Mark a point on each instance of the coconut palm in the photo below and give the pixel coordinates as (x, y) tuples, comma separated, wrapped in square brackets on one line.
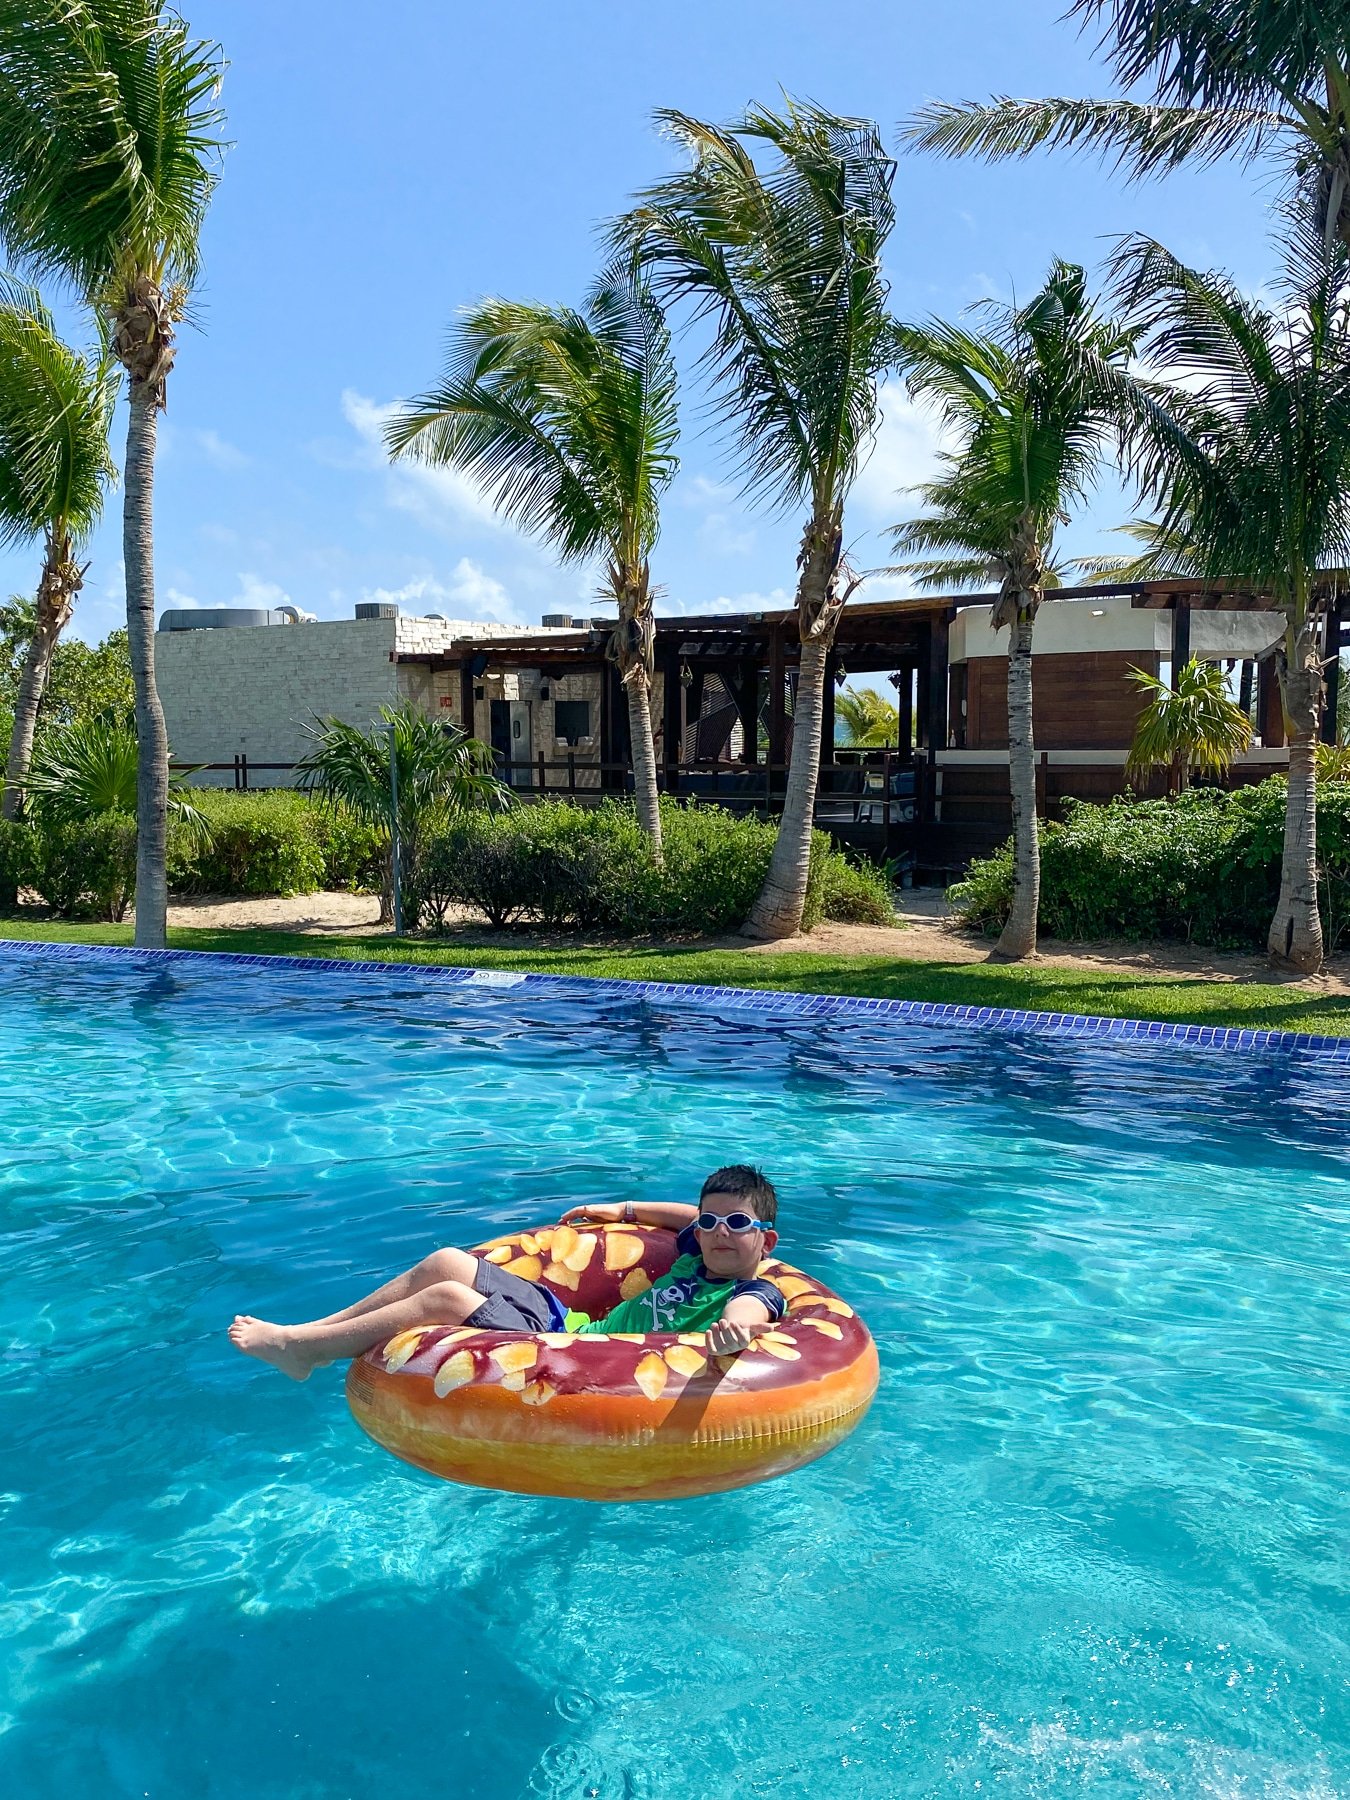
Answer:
[(107, 164), (441, 773), (1256, 473), (784, 265), (1228, 78), (867, 717), (568, 421), (55, 409), (1032, 402), (1195, 724)]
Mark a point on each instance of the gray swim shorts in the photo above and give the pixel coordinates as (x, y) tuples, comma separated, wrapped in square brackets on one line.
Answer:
[(510, 1303)]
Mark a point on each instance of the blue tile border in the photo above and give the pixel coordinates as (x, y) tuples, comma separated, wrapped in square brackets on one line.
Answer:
[(924, 1012)]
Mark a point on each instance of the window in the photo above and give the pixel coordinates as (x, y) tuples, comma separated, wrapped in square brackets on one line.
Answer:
[(572, 720)]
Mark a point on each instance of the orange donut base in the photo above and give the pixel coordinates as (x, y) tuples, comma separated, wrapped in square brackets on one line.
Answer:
[(616, 1417)]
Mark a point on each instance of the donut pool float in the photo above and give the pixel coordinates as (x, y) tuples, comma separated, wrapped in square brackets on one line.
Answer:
[(617, 1417)]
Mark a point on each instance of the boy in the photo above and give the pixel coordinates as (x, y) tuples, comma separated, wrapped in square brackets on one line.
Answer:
[(712, 1286)]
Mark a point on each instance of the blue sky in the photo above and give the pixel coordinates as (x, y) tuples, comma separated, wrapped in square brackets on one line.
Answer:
[(392, 163)]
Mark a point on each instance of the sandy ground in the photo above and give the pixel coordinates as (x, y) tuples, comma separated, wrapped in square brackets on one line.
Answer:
[(928, 934)]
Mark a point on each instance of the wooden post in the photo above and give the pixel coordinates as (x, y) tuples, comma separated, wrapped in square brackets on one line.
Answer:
[(934, 674), (672, 722), (777, 710), (1181, 636), (748, 702), (1245, 685), (1042, 777), (1269, 707), (466, 708), (1332, 651), (904, 707), (827, 714)]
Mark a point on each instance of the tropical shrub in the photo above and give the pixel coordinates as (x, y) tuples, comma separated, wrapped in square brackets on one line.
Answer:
[(1203, 866), (563, 866), (13, 862), (81, 866), (260, 843)]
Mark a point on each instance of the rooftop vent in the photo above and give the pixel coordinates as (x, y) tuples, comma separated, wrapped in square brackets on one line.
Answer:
[(565, 621), (219, 618), (376, 609)]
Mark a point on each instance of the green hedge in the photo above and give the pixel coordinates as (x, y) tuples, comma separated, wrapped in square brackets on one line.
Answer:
[(82, 868), (274, 841), (1203, 867), (564, 866)]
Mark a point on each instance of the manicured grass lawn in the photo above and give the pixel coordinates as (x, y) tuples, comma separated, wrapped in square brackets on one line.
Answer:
[(1188, 1000)]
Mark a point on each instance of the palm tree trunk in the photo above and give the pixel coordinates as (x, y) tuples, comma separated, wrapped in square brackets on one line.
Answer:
[(1296, 930), (777, 912), (1018, 938), (645, 790), (152, 778), (60, 583), (634, 649)]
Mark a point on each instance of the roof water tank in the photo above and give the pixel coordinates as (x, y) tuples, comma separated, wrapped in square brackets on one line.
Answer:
[(218, 618), (557, 619), (376, 609)]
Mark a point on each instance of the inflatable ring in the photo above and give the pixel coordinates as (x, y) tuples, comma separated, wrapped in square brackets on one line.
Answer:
[(616, 1417)]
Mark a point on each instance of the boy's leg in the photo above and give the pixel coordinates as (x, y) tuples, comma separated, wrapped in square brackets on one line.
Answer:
[(297, 1350), (440, 1266)]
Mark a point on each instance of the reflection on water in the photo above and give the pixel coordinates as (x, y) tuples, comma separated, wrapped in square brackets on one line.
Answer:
[(1092, 1538)]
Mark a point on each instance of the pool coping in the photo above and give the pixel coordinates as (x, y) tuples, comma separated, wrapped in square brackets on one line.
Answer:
[(926, 1012)]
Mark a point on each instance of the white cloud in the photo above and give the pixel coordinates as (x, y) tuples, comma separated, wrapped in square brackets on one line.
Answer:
[(701, 490), (720, 534), (218, 452), (908, 443), (774, 601), (470, 593), (443, 499), (255, 592), (184, 602)]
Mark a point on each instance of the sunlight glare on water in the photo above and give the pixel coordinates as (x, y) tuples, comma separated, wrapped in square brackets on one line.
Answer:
[(1093, 1538)]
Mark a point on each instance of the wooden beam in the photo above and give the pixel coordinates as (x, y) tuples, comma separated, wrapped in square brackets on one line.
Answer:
[(934, 698), (1181, 636), (1269, 706), (777, 709), (827, 708), (672, 722), (1332, 651)]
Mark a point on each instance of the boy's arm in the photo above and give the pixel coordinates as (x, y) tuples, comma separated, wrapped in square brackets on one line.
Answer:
[(668, 1214), (743, 1318)]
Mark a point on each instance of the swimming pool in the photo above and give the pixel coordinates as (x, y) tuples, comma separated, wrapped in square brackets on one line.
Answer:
[(1093, 1537)]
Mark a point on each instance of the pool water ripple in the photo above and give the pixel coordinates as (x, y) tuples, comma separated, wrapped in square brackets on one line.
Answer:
[(1093, 1538)]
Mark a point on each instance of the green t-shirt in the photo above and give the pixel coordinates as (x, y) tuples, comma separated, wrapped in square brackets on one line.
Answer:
[(684, 1299)]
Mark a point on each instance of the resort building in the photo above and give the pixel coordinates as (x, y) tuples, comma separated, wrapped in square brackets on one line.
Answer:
[(241, 688)]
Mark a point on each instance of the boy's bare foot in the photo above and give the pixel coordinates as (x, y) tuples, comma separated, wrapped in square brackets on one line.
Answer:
[(271, 1344)]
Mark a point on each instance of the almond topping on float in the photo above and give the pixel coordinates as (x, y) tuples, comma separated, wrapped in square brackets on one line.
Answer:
[(529, 1242), (529, 1268), (835, 1306), (775, 1343), (789, 1286), (453, 1373), (499, 1253), (651, 1374), (564, 1241), (562, 1276), (511, 1358), (826, 1327), (635, 1282), (628, 1337), (558, 1340), (579, 1256), (622, 1250), (402, 1348), (538, 1393), (685, 1360)]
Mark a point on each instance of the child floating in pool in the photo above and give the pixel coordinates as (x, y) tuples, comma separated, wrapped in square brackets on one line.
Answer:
[(712, 1287)]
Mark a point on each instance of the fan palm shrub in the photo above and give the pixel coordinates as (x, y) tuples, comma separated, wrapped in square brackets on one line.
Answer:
[(867, 717), (1032, 401), (783, 265), (108, 160), (441, 773), (568, 421), (55, 410), (1195, 725), (1256, 79), (91, 766)]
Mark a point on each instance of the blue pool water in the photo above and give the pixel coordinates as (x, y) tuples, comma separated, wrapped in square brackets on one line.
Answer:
[(1093, 1539)]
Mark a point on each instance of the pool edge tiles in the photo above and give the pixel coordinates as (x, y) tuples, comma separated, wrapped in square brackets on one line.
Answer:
[(780, 1001)]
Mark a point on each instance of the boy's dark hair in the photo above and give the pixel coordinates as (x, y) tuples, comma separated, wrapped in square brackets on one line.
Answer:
[(741, 1182)]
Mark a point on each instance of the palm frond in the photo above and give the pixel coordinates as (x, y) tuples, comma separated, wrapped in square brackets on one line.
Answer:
[(108, 141), (1194, 725), (1137, 139)]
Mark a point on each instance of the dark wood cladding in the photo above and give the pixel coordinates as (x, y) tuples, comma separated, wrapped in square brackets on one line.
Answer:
[(1085, 701)]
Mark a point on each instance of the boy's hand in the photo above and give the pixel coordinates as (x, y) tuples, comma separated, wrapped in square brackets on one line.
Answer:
[(726, 1337), (604, 1212)]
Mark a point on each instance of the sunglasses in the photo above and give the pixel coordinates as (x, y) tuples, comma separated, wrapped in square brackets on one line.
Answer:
[(737, 1221)]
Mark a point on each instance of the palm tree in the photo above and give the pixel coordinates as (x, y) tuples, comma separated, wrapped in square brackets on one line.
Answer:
[(785, 266), (1228, 77), (1255, 472), (868, 719), (1195, 724), (90, 767), (55, 409), (568, 420), (107, 164), (441, 774), (1032, 402)]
